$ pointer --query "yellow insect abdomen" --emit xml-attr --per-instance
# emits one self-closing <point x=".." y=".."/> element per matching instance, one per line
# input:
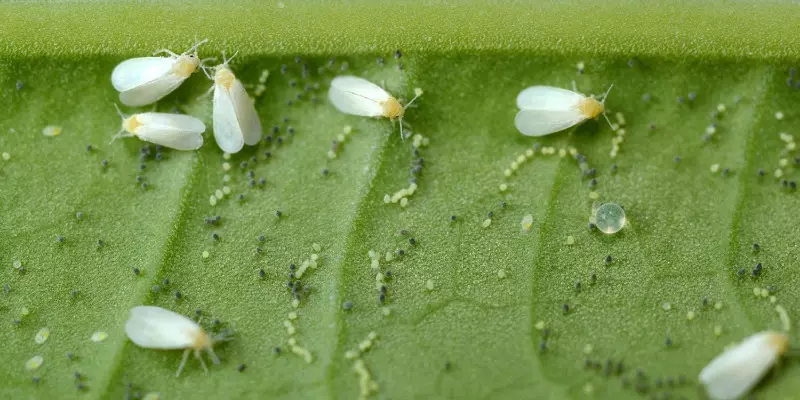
<point x="779" y="342"/>
<point x="201" y="340"/>
<point x="393" y="109"/>
<point x="224" y="76"/>
<point x="130" y="124"/>
<point x="590" y="107"/>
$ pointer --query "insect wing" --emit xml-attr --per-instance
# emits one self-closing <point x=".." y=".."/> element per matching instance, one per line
<point x="176" y="131"/>
<point x="158" y="328"/>
<point x="357" y="96"/>
<point x="227" y="131"/>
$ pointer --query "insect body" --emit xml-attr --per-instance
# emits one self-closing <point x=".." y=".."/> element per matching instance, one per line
<point x="358" y="96"/>
<point x="236" y="122"/>
<point x="733" y="373"/>
<point x="547" y="109"/>
<point x="158" y="328"/>
<point x="177" y="131"/>
<point x="145" y="80"/>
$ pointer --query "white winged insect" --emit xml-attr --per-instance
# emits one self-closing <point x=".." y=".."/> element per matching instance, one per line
<point x="358" y="96"/>
<point x="158" y="328"/>
<point x="547" y="109"/>
<point x="734" y="372"/>
<point x="236" y="122"/>
<point x="145" y="80"/>
<point x="176" y="131"/>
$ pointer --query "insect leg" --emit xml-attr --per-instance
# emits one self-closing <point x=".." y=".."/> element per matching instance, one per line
<point x="199" y="358"/>
<point x="183" y="362"/>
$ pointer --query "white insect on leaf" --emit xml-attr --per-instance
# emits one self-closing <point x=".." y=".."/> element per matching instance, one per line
<point x="236" y="122"/>
<point x="145" y="80"/>
<point x="158" y="328"/>
<point x="734" y="372"/>
<point x="547" y="109"/>
<point x="176" y="131"/>
<point x="358" y="96"/>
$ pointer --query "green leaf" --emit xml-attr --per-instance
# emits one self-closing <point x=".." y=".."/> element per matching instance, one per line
<point x="474" y="334"/>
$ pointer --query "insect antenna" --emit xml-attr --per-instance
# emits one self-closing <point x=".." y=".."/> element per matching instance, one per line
<point x="603" y="101"/>
<point x="119" y="112"/>
<point x="606" y="94"/>
<point x="122" y="130"/>
<point x="412" y="100"/>
<point x="225" y="61"/>
<point x="193" y="49"/>
<point x="117" y="135"/>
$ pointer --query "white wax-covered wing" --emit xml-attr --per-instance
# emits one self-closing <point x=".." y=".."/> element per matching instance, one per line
<point x="135" y="72"/>
<point x="357" y="96"/>
<point x="246" y="113"/>
<point x="158" y="328"/>
<point x="177" y="131"/>
<point x="227" y="131"/>
<point x="544" y="122"/>
<point x="547" y="98"/>
<point x="734" y="372"/>
<point x="152" y="91"/>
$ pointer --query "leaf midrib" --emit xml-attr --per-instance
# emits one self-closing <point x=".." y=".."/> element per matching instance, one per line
<point x="178" y="221"/>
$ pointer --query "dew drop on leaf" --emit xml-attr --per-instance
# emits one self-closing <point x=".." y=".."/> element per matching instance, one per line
<point x="610" y="218"/>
